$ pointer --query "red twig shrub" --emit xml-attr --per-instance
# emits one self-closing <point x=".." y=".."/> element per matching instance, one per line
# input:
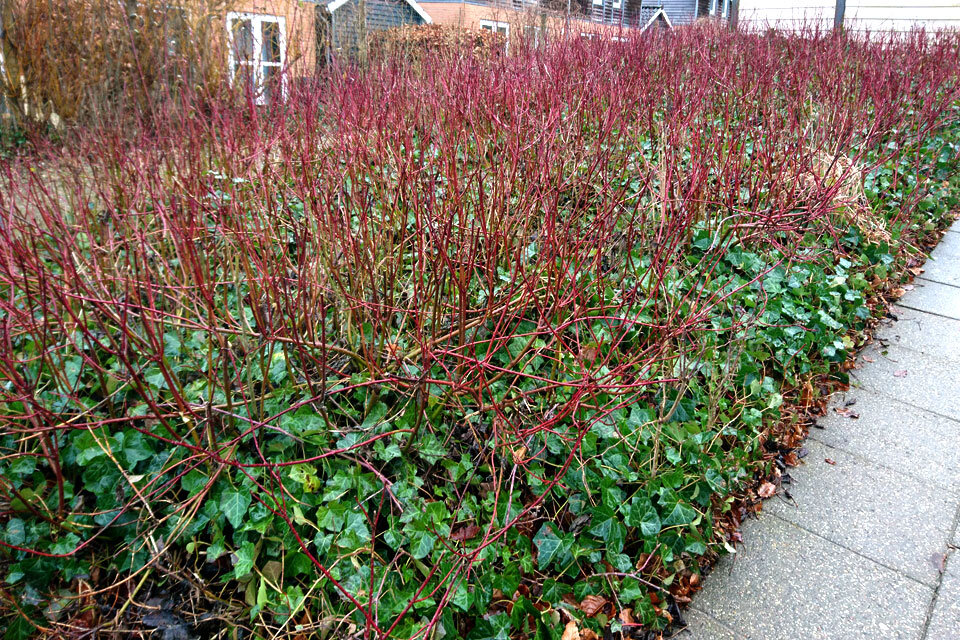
<point x="439" y="349"/>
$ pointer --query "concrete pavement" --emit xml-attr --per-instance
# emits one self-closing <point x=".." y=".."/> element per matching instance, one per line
<point x="869" y="546"/>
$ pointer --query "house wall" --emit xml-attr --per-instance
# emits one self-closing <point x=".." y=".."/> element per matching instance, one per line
<point x="386" y="14"/>
<point x="680" y="11"/>
<point x="590" y="17"/>
<point x="468" y="14"/>
<point x="348" y="23"/>
<point x="347" y="26"/>
<point x="900" y="15"/>
<point x="874" y="15"/>
<point x="786" y="14"/>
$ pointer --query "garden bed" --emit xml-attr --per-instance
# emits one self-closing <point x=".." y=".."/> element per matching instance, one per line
<point x="493" y="347"/>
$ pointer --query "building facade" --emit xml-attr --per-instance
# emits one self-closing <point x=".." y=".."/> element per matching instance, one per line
<point x="527" y="18"/>
<point x="856" y="15"/>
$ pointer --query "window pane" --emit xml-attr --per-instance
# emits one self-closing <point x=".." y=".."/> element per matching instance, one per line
<point x="271" y="84"/>
<point x="245" y="78"/>
<point x="243" y="39"/>
<point x="486" y="27"/>
<point x="271" y="42"/>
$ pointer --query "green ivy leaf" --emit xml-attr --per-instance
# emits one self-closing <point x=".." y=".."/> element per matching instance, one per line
<point x="193" y="482"/>
<point x="430" y="448"/>
<point x="375" y="417"/>
<point x="245" y="556"/>
<point x="19" y="629"/>
<point x="680" y="515"/>
<point x="136" y="447"/>
<point x="421" y="544"/>
<point x="233" y="504"/>
<point x="607" y="527"/>
<point x="16" y="532"/>
<point x="548" y="545"/>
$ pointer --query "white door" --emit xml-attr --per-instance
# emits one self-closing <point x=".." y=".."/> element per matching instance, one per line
<point x="258" y="52"/>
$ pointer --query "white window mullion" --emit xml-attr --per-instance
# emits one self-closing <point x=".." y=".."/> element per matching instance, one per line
<point x="257" y="24"/>
<point x="256" y="66"/>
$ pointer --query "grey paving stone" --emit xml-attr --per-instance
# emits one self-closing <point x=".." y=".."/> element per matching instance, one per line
<point x="700" y="626"/>
<point x="950" y="245"/>
<point x="947" y="272"/>
<point x="924" y="332"/>
<point x="933" y="297"/>
<point x="920" y="380"/>
<point x="944" y="263"/>
<point x="894" y="520"/>
<point x="787" y="583"/>
<point x="945" y="619"/>
<point x="917" y="443"/>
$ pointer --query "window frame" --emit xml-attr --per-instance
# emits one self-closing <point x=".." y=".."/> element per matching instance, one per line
<point x="257" y="21"/>
<point x="534" y="31"/>
<point x="495" y="26"/>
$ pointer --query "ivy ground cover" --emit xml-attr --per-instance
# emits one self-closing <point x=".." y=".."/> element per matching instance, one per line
<point x="476" y="346"/>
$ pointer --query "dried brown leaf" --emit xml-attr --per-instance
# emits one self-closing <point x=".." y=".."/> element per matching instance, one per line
<point x="592" y="605"/>
<point x="465" y="533"/>
<point x="571" y="632"/>
<point x="766" y="490"/>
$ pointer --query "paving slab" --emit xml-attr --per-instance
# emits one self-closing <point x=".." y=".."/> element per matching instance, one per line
<point x="916" y="379"/>
<point x="945" y="618"/>
<point x="924" y="332"/>
<point x="887" y="432"/>
<point x="944" y="263"/>
<point x="933" y="297"/>
<point x="856" y="550"/>
<point x="894" y="520"/>
<point x="700" y="626"/>
<point x="787" y="583"/>
<point x="950" y="245"/>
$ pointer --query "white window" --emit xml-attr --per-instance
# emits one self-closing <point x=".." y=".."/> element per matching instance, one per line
<point x="598" y="3"/>
<point x="720" y="7"/>
<point x="258" y="51"/>
<point x="503" y="28"/>
<point x="531" y="34"/>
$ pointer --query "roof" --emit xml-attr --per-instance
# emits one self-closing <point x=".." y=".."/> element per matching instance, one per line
<point x="661" y="14"/>
<point x="333" y="5"/>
